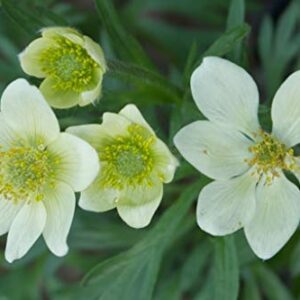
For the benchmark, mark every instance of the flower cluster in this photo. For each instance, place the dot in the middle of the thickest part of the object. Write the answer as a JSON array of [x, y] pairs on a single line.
[[122, 164], [41, 168]]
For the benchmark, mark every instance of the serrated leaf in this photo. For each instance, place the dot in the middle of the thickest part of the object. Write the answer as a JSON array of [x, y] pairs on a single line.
[[271, 285], [132, 274], [225, 269], [125, 44]]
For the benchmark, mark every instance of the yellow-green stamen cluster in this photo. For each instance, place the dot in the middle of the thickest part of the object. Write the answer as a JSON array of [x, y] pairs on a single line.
[[69, 64], [128, 160], [24, 172], [269, 155]]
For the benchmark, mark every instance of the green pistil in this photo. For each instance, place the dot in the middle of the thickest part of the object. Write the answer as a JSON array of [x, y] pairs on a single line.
[[69, 64], [129, 160], [24, 171]]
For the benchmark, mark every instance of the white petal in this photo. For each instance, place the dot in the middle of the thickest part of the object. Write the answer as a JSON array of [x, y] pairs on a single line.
[[79, 161], [25, 230], [165, 162], [97, 199], [139, 216], [225, 206], [132, 113], [286, 111], [27, 113], [226, 94], [95, 51], [88, 97], [214, 151], [8, 211], [7, 135], [60, 207], [276, 217]]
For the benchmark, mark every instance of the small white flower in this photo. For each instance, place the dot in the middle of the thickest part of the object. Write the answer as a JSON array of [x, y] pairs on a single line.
[[135, 164], [250, 190], [40, 169]]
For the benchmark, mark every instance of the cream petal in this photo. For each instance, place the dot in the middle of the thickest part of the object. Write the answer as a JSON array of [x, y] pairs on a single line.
[[214, 151], [226, 94], [58, 98], [91, 133], [95, 51], [286, 111], [227, 205], [25, 230], [139, 215], [132, 113], [95, 198], [91, 96], [276, 217], [8, 211], [165, 162], [67, 32], [30, 57], [28, 114], [79, 163], [60, 206]]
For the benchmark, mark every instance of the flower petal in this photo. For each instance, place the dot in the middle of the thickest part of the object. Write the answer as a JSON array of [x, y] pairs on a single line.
[[95, 51], [30, 57], [27, 113], [7, 135], [8, 211], [225, 206], [139, 215], [165, 162], [226, 94], [214, 151], [58, 98], [132, 113], [286, 111], [60, 207], [25, 230], [67, 32], [98, 199], [88, 97], [79, 161], [276, 217]]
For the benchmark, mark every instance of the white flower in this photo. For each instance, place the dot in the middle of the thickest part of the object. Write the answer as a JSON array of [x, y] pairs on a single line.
[[40, 169], [250, 190], [135, 164]]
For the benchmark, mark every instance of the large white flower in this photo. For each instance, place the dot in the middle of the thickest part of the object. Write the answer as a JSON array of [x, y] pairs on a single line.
[[135, 164], [40, 169], [250, 190]]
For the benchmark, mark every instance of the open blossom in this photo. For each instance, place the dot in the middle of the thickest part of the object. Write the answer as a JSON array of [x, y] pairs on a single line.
[[71, 63], [250, 190], [40, 169], [135, 164]]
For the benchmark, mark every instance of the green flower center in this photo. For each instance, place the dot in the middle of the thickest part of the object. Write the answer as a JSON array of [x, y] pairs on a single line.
[[269, 155], [69, 65], [24, 172], [128, 160]]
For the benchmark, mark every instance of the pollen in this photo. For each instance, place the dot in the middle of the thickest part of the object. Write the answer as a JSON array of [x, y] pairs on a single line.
[[69, 65], [25, 171], [128, 160], [270, 156]]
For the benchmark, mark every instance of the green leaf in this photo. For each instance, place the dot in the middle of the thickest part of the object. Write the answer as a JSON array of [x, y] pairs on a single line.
[[271, 285], [225, 269], [132, 274], [140, 76], [236, 17], [31, 18], [125, 44], [224, 44], [251, 289]]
